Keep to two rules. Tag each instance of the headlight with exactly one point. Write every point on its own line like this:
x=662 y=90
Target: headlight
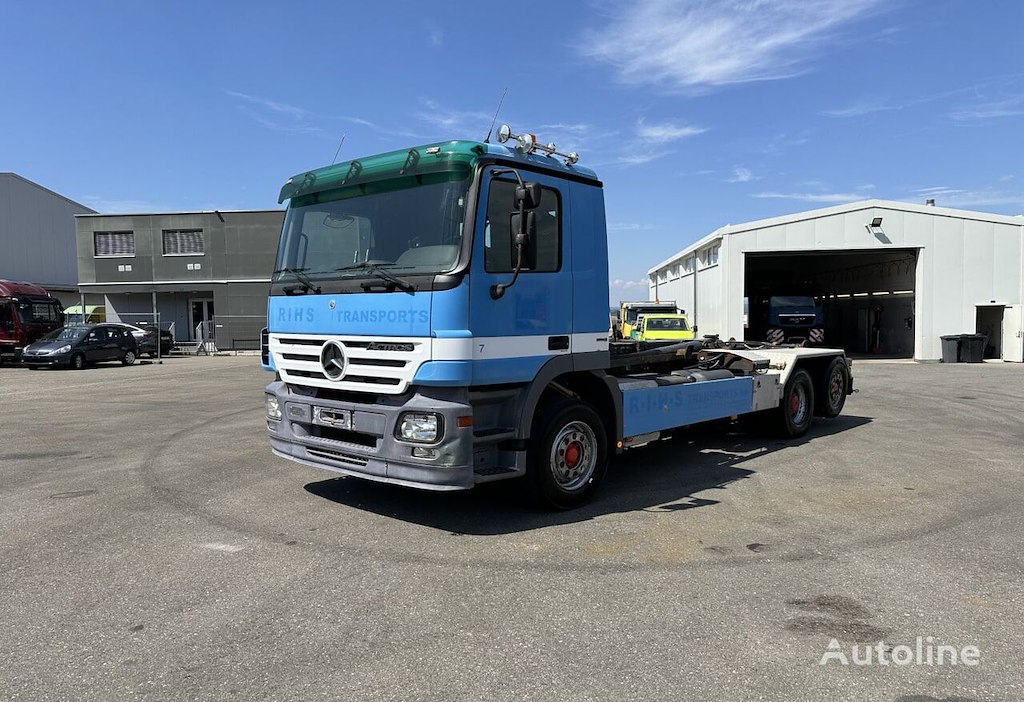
x=273 y=408
x=419 y=427
x=63 y=349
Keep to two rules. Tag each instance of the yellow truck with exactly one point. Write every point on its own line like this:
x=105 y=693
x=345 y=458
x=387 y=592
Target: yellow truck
x=630 y=311
x=662 y=327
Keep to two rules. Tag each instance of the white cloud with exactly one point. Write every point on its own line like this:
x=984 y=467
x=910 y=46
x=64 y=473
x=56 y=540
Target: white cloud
x=638 y=159
x=281 y=108
x=741 y=175
x=454 y=123
x=629 y=227
x=861 y=108
x=665 y=132
x=980 y=112
x=109 y=206
x=620 y=284
x=701 y=43
x=650 y=139
x=814 y=197
x=960 y=197
x=436 y=38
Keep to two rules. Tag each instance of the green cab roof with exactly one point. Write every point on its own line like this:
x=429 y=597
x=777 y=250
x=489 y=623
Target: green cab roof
x=440 y=157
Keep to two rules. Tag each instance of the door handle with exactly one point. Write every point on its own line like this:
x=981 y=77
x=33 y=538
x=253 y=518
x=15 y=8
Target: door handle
x=558 y=343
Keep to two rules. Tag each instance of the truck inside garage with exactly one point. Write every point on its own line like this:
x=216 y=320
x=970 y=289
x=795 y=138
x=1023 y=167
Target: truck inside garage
x=863 y=299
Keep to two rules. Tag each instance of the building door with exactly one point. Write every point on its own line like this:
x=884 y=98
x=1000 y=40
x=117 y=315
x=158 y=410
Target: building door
x=1013 y=333
x=989 y=321
x=201 y=312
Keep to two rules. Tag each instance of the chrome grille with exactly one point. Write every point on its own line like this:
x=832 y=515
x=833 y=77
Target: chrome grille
x=374 y=364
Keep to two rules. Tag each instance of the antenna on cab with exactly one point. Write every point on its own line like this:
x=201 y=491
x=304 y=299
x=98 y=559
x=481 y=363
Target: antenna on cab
x=487 y=139
x=339 y=149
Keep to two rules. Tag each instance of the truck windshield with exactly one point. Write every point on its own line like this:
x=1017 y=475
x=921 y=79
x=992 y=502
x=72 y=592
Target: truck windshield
x=399 y=225
x=634 y=312
x=791 y=301
x=39 y=312
x=666 y=324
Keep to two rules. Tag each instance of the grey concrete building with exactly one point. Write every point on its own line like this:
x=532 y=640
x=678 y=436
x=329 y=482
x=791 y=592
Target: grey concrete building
x=37 y=236
x=188 y=267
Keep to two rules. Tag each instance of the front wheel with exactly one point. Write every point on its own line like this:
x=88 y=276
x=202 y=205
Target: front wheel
x=78 y=361
x=568 y=455
x=128 y=358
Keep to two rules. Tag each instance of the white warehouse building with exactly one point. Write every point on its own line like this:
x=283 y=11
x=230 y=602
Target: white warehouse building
x=887 y=278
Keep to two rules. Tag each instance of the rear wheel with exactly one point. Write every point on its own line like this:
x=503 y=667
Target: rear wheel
x=78 y=361
x=568 y=455
x=128 y=358
x=793 y=415
x=832 y=391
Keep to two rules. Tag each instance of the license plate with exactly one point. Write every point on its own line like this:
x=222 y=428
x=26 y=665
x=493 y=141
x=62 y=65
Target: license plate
x=329 y=417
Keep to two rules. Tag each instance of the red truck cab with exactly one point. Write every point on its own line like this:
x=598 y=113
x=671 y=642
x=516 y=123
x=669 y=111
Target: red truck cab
x=27 y=312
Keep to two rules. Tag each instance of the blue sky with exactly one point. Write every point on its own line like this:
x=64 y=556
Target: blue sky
x=695 y=114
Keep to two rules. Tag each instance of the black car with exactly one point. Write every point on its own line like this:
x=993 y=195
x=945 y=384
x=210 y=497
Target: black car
x=79 y=345
x=146 y=339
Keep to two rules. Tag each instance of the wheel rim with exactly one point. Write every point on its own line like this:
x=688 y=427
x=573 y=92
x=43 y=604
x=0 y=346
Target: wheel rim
x=835 y=387
x=573 y=456
x=129 y=358
x=78 y=362
x=798 y=405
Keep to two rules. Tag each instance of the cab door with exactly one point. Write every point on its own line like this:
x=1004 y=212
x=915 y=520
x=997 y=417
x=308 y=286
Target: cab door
x=515 y=334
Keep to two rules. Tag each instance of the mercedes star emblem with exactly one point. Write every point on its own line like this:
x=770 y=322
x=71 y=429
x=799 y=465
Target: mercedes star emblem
x=332 y=358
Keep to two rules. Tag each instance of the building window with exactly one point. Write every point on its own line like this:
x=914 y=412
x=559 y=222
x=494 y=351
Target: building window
x=709 y=256
x=113 y=244
x=183 y=242
x=688 y=265
x=499 y=252
x=713 y=255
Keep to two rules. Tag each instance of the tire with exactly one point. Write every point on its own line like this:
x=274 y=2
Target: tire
x=128 y=358
x=832 y=390
x=78 y=361
x=795 y=411
x=568 y=455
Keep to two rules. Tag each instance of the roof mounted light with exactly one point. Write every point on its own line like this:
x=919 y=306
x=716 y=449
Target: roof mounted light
x=527 y=143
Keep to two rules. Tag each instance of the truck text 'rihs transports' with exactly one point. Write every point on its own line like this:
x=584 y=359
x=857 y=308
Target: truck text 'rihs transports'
x=439 y=319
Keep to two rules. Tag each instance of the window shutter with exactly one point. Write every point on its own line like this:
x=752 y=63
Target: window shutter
x=183 y=242
x=114 y=243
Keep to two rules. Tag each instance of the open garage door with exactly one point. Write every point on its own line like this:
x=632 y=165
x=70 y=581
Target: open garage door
x=861 y=300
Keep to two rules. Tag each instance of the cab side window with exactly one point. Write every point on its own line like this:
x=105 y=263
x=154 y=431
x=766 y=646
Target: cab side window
x=499 y=251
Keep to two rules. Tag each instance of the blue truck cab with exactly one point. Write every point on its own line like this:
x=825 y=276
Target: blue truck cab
x=795 y=318
x=438 y=318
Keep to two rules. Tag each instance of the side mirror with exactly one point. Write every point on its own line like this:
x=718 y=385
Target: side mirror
x=524 y=233
x=528 y=196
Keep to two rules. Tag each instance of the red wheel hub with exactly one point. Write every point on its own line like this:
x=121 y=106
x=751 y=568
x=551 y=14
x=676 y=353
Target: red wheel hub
x=573 y=452
x=794 y=403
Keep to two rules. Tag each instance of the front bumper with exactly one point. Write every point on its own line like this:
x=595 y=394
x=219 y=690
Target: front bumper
x=56 y=360
x=369 y=448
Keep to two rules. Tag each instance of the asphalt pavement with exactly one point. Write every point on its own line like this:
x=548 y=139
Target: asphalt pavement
x=151 y=547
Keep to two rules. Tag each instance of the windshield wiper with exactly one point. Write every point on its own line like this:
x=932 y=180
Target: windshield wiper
x=378 y=270
x=300 y=275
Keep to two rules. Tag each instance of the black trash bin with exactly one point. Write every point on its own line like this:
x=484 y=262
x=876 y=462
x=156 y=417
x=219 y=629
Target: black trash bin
x=951 y=348
x=972 y=348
